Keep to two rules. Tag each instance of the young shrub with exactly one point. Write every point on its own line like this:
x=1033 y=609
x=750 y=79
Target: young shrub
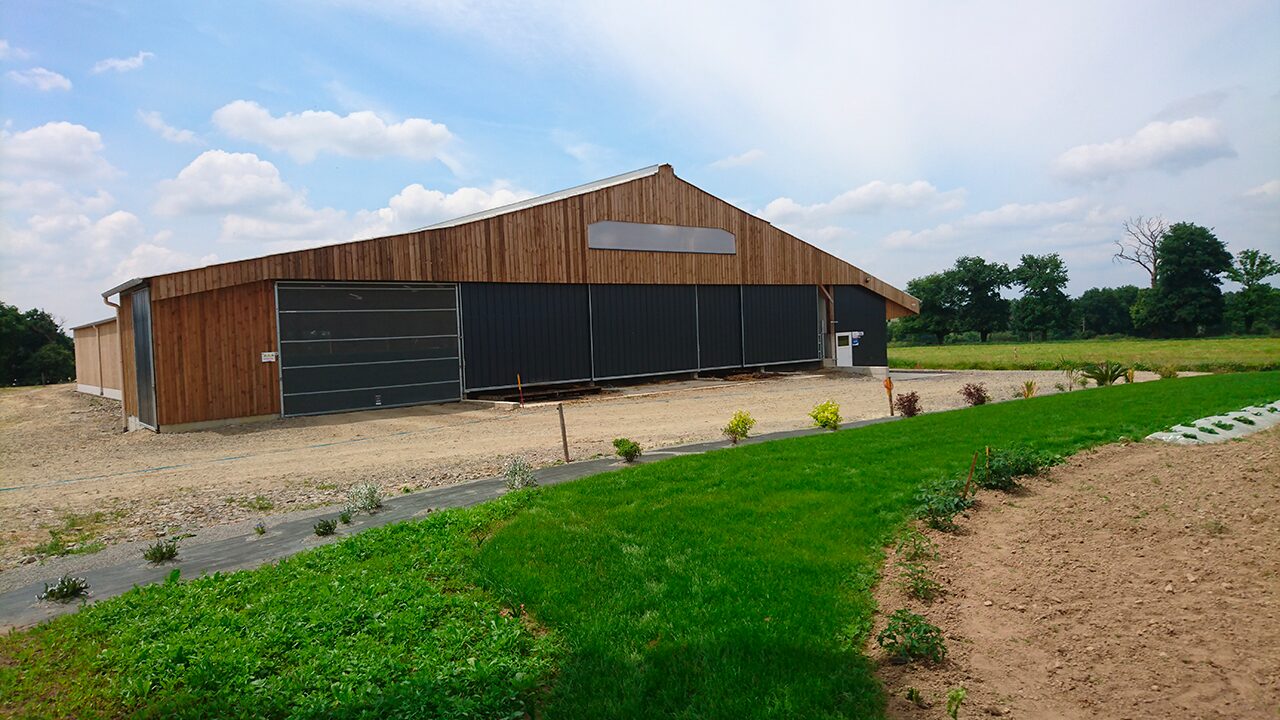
x=66 y=589
x=1029 y=389
x=909 y=637
x=914 y=697
x=344 y=517
x=1243 y=420
x=739 y=426
x=518 y=474
x=260 y=529
x=826 y=415
x=975 y=394
x=955 y=699
x=938 y=502
x=1167 y=372
x=916 y=581
x=627 y=449
x=1222 y=425
x=325 y=527
x=365 y=498
x=161 y=551
x=908 y=404
x=1003 y=467
x=1105 y=373
x=914 y=546
x=1061 y=387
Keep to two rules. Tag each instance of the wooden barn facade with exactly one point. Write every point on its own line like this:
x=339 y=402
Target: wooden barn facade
x=638 y=275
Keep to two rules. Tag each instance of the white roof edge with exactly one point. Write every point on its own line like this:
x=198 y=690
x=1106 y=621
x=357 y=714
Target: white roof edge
x=544 y=199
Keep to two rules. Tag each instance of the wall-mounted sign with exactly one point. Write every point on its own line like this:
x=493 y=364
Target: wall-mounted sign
x=269 y=357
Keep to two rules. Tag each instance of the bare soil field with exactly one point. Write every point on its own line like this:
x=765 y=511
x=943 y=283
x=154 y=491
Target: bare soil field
x=1135 y=581
x=67 y=471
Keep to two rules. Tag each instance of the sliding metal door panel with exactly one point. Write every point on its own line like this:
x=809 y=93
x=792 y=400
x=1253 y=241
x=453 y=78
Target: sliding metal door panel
x=357 y=346
x=780 y=324
x=643 y=329
x=143 y=363
x=719 y=326
x=540 y=332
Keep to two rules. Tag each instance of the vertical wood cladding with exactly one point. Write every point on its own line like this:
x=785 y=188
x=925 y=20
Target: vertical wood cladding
x=548 y=244
x=208 y=350
x=643 y=329
x=540 y=331
x=781 y=324
x=719 y=326
x=98 y=355
x=859 y=309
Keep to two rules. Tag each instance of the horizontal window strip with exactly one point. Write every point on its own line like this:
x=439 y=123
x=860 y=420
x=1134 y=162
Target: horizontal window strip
x=370 y=362
x=360 y=339
x=376 y=387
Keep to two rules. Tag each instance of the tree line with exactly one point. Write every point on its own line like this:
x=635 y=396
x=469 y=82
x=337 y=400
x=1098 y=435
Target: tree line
x=33 y=348
x=1186 y=264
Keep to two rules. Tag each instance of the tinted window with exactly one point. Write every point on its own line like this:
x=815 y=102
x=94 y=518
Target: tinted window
x=659 y=238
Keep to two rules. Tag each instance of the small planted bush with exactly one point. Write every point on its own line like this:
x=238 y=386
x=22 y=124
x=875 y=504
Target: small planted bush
x=739 y=426
x=909 y=637
x=260 y=529
x=344 y=517
x=161 y=551
x=975 y=394
x=938 y=502
x=1243 y=420
x=325 y=527
x=1221 y=425
x=627 y=449
x=907 y=404
x=518 y=474
x=1167 y=372
x=66 y=589
x=826 y=415
x=916 y=580
x=1105 y=373
x=955 y=699
x=914 y=546
x=1003 y=467
x=1029 y=389
x=365 y=498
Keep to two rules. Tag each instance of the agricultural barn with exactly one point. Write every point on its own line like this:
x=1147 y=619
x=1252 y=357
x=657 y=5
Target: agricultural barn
x=98 y=358
x=638 y=275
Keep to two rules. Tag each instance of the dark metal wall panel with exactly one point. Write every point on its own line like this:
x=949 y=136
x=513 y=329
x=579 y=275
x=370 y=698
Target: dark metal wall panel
x=719 y=326
x=859 y=309
x=780 y=323
x=143 y=357
x=643 y=329
x=349 y=346
x=541 y=331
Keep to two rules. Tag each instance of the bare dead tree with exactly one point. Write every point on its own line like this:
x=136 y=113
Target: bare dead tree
x=1138 y=246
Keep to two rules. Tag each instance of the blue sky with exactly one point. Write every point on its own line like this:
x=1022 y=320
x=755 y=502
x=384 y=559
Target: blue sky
x=145 y=137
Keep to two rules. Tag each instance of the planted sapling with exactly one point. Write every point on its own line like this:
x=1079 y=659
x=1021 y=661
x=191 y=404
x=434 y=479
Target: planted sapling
x=739 y=426
x=627 y=449
x=909 y=637
x=325 y=527
x=518 y=474
x=66 y=589
x=908 y=404
x=826 y=415
x=975 y=394
x=161 y=551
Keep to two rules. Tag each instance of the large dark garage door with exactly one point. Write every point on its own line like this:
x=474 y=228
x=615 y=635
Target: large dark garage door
x=354 y=346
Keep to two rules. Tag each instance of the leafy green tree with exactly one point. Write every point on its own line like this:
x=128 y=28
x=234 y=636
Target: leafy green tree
x=939 y=297
x=979 y=283
x=1187 y=297
x=1044 y=306
x=1104 y=311
x=33 y=348
x=1255 y=298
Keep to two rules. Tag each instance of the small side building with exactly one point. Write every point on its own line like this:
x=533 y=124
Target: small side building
x=634 y=276
x=98 y=368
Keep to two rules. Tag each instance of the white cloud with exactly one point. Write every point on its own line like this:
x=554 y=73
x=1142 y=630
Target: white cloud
x=307 y=134
x=8 y=52
x=416 y=206
x=733 y=161
x=40 y=78
x=36 y=196
x=1269 y=190
x=1167 y=146
x=155 y=121
x=1025 y=218
x=122 y=64
x=872 y=197
x=218 y=181
x=154 y=258
x=56 y=149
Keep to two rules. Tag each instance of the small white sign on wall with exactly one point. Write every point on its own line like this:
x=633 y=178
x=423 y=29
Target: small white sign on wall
x=268 y=357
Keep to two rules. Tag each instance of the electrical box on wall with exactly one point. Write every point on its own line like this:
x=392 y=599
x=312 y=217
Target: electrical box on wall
x=268 y=357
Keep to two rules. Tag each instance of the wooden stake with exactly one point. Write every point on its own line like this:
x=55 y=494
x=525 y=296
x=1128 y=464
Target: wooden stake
x=520 y=388
x=564 y=436
x=888 y=389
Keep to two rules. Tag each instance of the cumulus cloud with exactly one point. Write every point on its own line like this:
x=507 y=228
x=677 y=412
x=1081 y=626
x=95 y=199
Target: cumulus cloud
x=218 y=181
x=307 y=134
x=122 y=64
x=9 y=52
x=155 y=121
x=1267 y=191
x=739 y=160
x=1066 y=220
x=1166 y=146
x=416 y=206
x=56 y=149
x=873 y=197
x=41 y=79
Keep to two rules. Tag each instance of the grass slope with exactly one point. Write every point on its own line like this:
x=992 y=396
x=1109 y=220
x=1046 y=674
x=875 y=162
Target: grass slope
x=732 y=584
x=1207 y=354
x=736 y=584
x=382 y=625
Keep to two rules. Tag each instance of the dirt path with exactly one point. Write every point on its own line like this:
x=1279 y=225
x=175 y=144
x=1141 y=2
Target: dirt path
x=73 y=474
x=1137 y=581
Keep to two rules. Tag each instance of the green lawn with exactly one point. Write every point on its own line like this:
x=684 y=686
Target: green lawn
x=1208 y=354
x=733 y=584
